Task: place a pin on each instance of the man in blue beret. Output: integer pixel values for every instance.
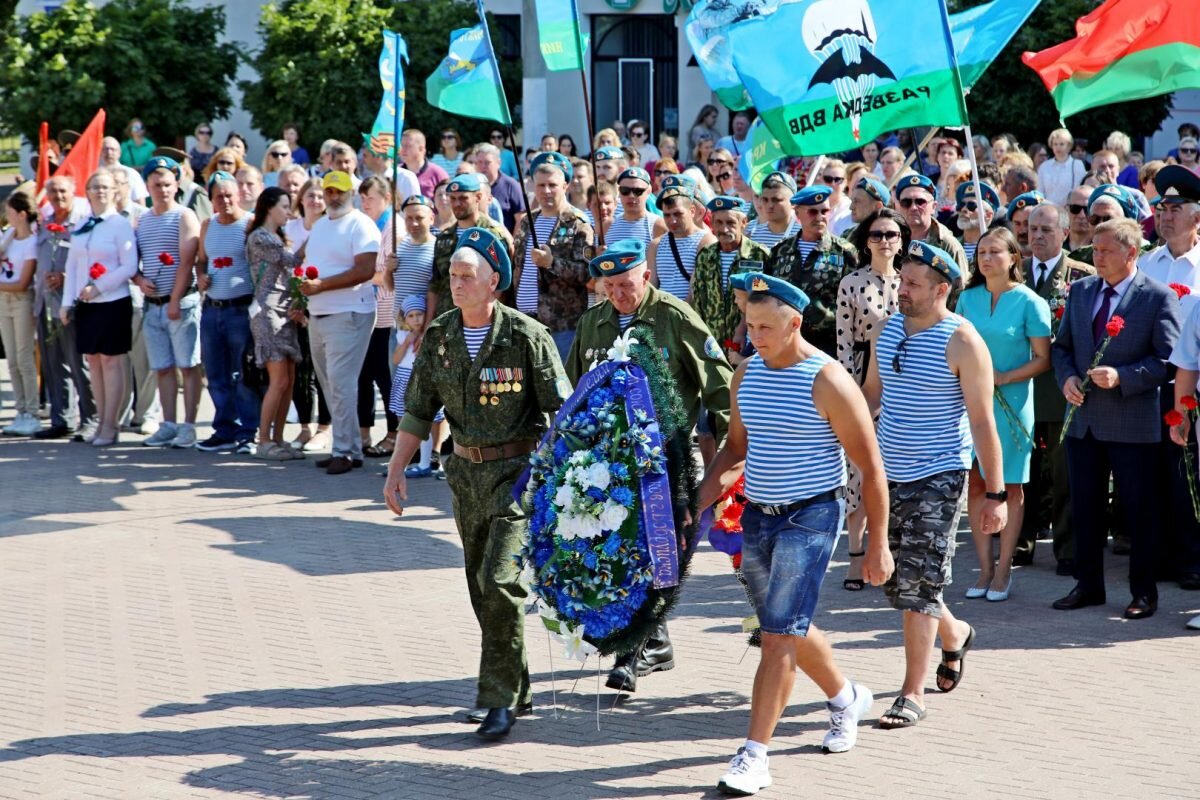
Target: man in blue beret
(672, 256)
(1018, 217)
(968, 207)
(497, 373)
(915, 198)
(776, 218)
(610, 162)
(931, 382)
(697, 364)
(552, 279)
(815, 261)
(465, 193)
(800, 414)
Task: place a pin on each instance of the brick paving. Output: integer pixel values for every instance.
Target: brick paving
(191, 625)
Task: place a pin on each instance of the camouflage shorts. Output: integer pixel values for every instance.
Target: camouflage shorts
(921, 533)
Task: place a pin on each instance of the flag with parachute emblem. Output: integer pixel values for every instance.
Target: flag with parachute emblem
(467, 82)
(390, 118)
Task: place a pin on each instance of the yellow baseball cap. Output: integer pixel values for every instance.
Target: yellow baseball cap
(336, 179)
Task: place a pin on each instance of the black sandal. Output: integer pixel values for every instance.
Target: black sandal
(905, 710)
(959, 655)
(854, 584)
(377, 450)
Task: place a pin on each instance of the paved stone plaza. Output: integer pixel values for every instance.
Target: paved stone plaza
(182, 624)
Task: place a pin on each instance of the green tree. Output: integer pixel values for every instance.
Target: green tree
(318, 66)
(158, 60)
(1011, 97)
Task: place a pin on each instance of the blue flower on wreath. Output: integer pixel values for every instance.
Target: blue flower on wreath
(590, 559)
(621, 494)
(612, 544)
(619, 471)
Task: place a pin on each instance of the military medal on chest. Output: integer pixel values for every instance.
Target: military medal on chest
(442, 353)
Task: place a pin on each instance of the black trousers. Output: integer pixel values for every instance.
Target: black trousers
(376, 372)
(1179, 550)
(1047, 499)
(1135, 469)
(307, 387)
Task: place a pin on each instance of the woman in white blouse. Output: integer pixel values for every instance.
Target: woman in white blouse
(96, 300)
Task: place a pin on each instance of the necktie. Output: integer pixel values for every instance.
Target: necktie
(1100, 321)
(91, 223)
(1040, 266)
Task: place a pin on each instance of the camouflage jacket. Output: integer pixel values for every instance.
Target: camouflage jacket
(443, 247)
(562, 286)
(943, 237)
(1048, 404)
(818, 276)
(712, 299)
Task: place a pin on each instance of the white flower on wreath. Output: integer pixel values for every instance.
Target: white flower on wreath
(564, 496)
(613, 516)
(598, 475)
(578, 526)
(579, 458)
(574, 646)
(622, 346)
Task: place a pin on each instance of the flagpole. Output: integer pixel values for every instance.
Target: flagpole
(975, 179)
(395, 140)
(587, 107)
(816, 167)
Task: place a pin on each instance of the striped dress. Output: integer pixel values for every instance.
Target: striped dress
(527, 290)
(670, 279)
(157, 234)
(792, 453)
(759, 231)
(228, 241)
(621, 228)
(401, 376)
(923, 426)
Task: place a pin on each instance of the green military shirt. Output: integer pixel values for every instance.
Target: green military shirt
(1048, 402)
(501, 396)
(562, 287)
(443, 247)
(702, 375)
(1084, 253)
(943, 237)
(818, 277)
(711, 296)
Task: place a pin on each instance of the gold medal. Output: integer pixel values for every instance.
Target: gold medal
(506, 387)
(491, 388)
(495, 401)
(517, 386)
(483, 400)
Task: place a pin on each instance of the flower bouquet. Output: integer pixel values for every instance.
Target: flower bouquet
(299, 276)
(607, 492)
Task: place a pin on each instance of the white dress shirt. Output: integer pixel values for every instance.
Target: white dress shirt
(1163, 267)
(1042, 269)
(110, 243)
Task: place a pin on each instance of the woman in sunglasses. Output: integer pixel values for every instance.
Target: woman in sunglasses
(639, 139)
(277, 156)
(866, 298)
(137, 149)
(720, 163)
(449, 154)
(202, 151)
(226, 159)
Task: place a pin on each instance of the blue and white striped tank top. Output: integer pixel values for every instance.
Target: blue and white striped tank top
(669, 277)
(414, 268)
(527, 290)
(475, 338)
(761, 233)
(969, 249)
(727, 259)
(228, 242)
(157, 234)
(923, 426)
(792, 452)
(622, 228)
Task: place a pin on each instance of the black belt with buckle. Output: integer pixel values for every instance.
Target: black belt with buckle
(244, 300)
(162, 300)
(780, 511)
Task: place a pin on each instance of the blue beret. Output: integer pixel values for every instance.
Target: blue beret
(1027, 200)
(682, 190)
(741, 281)
(676, 181)
(556, 160)
(990, 195)
(935, 257)
(621, 256)
(778, 288)
(492, 248)
(634, 174)
(811, 196)
(876, 189)
(919, 181)
(1118, 193)
(416, 200)
(217, 177)
(467, 182)
(727, 203)
(1177, 184)
(160, 162)
(780, 179)
(1156, 201)
(609, 153)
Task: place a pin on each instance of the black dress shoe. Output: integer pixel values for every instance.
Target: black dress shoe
(1190, 581)
(497, 724)
(658, 655)
(1023, 559)
(323, 463)
(53, 432)
(478, 715)
(1140, 608)
(1078, 598)
(1066, 567)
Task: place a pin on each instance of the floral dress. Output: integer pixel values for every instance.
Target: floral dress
(271, 265)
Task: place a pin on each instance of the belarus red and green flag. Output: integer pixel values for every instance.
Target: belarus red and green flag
(1124, 50)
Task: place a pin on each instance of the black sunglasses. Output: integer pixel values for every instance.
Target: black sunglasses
(279, 155)
(879, 236)
(725, 176)
(665, 172)
(1096, 219)
(832, 179)
(496, 136)
(909, 202)
(900, 355)
(635, 191)
(1187, 149)
(1076, 209)
(204, 133)
(970, 205)
(712, 162)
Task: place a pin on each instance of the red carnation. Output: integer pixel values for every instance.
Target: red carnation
(166, 259)
(298, 272)
(54, 227)
(1189, 403)
(1115, 325)
(96, 271)
(1058, 312)
(1173, 418)
(311, 273)
(1180, 289)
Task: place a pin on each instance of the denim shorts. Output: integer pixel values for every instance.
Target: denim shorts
(784, 560)
(173, 343)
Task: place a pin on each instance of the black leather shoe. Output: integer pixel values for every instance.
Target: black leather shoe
(1190, 581)
(53, 432)
(497, 724)
(323, 463)
(1078, 598)
(478, 715)
(623, 677)
(1121, 547)
(1140, 608)
(658, 655)
(1023, 559)
(1066, 567)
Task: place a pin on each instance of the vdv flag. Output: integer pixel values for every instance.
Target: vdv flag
(558, 34)
(390, 120)
(980, 33)
(858, 70)
(467, 82)
(761, 157)
(707, 30)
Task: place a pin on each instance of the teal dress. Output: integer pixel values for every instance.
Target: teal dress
(1020, 315)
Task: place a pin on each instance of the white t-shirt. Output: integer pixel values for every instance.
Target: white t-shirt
(331, 248)
(296, 233)
(16, 254)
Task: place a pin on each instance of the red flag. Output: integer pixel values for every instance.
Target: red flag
(84, 157)
(43, 169)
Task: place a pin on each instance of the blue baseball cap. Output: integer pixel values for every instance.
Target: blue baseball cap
(620, 257)
(760, 284)
(492, 248)
(935, 257)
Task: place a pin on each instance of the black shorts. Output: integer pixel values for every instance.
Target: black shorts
(104, 329)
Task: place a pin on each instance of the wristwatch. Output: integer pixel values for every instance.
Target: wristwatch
(1001, 496)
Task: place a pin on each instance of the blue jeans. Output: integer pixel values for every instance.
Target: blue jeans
(224, 334)
(784, 559)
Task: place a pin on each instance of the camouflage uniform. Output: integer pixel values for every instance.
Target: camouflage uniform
(818, 276)
(501, 397)
(443, 247)
(943, 237)
(695, 359)
(1084, 253)
(562, 287)
(714, 301)
(921, 531)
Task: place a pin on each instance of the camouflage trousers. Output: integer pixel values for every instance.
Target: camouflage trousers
(493, 528)
(921, 531)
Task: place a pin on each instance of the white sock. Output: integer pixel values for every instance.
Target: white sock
(426, 452)
(755, 749)
(843, 698)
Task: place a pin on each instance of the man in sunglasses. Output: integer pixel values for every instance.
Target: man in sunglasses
(916, 195)
(776, 219)
(932, 383)
(672, 258)
(634, 220)
(968, 205)
(465, 193)
(1107, 202)
(1080, 233)
(815, 261)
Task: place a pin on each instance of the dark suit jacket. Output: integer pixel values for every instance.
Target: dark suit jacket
(1129, 413)
(1048, 402)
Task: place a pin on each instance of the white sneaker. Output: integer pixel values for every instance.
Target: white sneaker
(162, 437)
(24, 425)
(843, 722)
(11, 428)
(746, 775)
(185, 436)
(1193, 624)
